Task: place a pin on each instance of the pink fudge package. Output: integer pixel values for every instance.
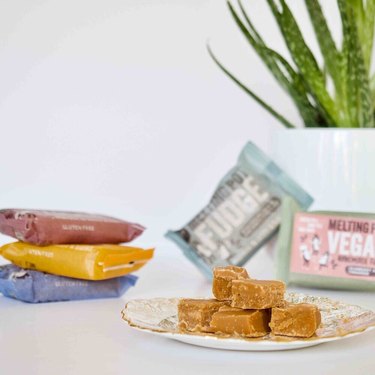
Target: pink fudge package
(59, 227)
(327, 249)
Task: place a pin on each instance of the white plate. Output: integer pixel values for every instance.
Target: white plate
(247, 345)
(339, 321)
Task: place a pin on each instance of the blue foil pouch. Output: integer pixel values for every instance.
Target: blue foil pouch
(34, 286)
(242, 215)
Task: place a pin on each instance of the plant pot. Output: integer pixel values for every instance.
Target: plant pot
(336, 166)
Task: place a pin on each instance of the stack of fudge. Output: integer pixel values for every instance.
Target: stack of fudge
(245, 307)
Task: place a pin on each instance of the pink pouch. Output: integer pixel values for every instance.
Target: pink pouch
(40, 227)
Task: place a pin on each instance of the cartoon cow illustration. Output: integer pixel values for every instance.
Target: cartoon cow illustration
(315, 244)
(323, 260)
(306, 254)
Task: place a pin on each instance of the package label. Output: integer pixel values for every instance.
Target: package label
(241, 214)
(334, 246)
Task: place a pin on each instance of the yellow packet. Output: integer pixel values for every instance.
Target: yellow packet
(89, 262)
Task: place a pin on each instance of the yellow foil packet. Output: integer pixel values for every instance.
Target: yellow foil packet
(89, 262)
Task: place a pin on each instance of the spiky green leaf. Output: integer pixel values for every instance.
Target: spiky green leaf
(311, 115)
(326, 43)
(369, 27)
(253, 30)
(332, 57)
(260, 101)
(282, 71)
(359, 98)
(303, 57)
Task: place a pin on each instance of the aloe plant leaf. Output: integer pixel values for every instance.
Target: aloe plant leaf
(348, 79)
(303, 57)
(305, 82)
(282, 71)
(359, 98)
(364, 13)
(326, 43)
(260, 101)
(332, 56)
(311, 115)
(248, 20)
(253, 37)
(372, 85)
(369, 27)
(358, 8)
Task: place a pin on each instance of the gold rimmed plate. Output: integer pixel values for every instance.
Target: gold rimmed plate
(158, 316)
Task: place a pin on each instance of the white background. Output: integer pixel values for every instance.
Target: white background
(115, 107)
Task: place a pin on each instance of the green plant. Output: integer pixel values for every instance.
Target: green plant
(351, 102)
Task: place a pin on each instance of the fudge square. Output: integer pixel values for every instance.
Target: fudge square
(257, 294)
(238, 322)
(223, 277)
(297, 320)
(194, 315)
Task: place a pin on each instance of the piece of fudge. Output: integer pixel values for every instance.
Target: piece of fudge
(257, 294)
(223, 277)
(296, 320)
(238, 322)
(194, 315)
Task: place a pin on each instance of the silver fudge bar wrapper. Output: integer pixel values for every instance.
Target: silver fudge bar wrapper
(242, 215)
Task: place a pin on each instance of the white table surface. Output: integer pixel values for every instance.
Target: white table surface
(89, 337)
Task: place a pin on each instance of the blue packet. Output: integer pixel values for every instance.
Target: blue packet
(34, 286)
(242, 215)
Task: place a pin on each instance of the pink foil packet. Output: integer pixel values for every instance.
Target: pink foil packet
(333, 250)
(41, 227)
